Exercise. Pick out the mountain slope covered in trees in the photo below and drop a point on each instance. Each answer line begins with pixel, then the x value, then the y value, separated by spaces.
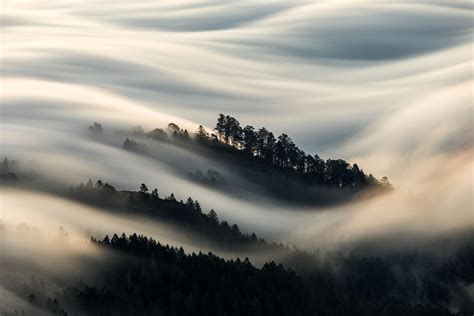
pixel 276 164
pixel 145 277
pixel 148 278
pixel 186 215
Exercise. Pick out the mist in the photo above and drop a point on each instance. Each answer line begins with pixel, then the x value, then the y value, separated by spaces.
pixel 386 115
pixel 385 85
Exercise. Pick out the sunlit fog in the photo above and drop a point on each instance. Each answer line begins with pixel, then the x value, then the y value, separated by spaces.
pixel 87 94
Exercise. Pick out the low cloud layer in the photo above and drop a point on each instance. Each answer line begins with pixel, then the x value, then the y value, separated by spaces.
pixel 385 85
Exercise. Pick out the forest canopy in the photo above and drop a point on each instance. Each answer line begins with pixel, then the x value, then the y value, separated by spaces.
pixel 263 147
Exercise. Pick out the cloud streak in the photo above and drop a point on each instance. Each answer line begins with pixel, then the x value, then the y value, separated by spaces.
pixel 387 86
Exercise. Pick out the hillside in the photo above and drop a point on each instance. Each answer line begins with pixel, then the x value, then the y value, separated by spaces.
pixel 276 166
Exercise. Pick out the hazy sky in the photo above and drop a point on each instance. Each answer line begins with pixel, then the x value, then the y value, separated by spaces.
pixel 385 84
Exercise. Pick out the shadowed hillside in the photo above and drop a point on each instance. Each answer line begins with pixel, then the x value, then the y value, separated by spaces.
pixel 275 164
pixel 145 277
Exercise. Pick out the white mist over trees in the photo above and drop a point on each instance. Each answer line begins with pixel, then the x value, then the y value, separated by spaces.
pixel 343 90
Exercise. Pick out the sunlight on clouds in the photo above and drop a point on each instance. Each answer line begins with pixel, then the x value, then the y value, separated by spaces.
pixel 388 86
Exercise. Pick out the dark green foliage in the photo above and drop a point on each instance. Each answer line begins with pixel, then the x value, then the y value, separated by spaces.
pixel 148 278
pixel 188 216
pixel 143 188
pixel 166 281
pixel 276 165
pixel 152 279
pixel 284 153
pixel 281 169
pixel 201 134
pixel 286 171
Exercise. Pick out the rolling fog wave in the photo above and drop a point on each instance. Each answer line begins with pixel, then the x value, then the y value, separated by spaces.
pixel 387 86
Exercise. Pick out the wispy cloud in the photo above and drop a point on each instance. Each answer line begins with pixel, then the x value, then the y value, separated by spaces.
pixel 387 85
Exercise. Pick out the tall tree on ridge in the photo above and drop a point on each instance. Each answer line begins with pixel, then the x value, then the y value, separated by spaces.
pixel 249 139
pixel 220 126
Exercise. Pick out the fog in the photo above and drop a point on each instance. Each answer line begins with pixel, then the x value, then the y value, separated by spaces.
pixel 79 221
pixel 388 87
pixel 421 210
pixel 45 244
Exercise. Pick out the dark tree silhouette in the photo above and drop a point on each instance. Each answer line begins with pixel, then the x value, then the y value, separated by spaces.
pixel 148 278
pixel 154 279
pixel 201 134
pixel 213 216
pixel 171 197
pixel 130 144
pixel 96 128
pixel 284 153
pixel 143 188
pixel 173 129
pixel 220 126
pixel 228 129
pixel 249 140
pixel 278 165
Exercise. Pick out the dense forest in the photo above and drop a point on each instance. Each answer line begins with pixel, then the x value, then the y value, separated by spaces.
pixel 155 279
pixel 145 277
pixel 236 158
pixel 148 278
pixel 290 173
pixel 275 165
pixel 186 215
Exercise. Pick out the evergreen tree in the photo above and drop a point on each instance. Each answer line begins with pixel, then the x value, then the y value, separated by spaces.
pixel 143 188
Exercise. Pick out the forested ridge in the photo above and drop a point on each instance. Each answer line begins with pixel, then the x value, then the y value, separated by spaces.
pixel 148 278
pixel 236 158
pixel 275 163
pixel 141 276
pixel 145 277
pixel 187 215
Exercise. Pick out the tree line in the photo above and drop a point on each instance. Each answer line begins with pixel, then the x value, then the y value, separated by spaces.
pixel 261 144
pixel 149 278
pixel 282 151
pixel 155 279
pixel 187 215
